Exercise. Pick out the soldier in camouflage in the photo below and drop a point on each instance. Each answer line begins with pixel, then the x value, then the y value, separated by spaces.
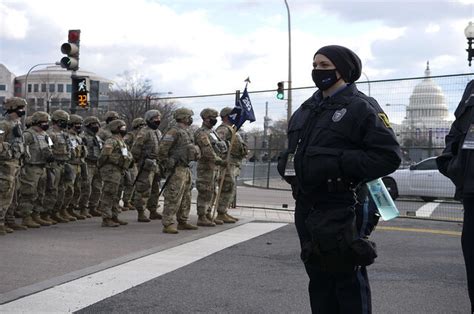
pixel 212 150
pixel 145 152
pixel 12 151
pixel 114 160
pixel 238 151
pixel 55 172
pixel 91 186
pixel 75 166
pixel 176 151
pixel 129 188
pixel 38 153
pixel 104 132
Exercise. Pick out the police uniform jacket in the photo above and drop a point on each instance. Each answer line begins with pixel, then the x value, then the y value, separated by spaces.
pixel 339 143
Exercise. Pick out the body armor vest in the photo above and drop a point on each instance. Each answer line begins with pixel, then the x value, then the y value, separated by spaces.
pixel 93 144
pixel 40 149
pixel 61 149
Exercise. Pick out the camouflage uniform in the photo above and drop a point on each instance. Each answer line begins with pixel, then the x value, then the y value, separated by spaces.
pixel 238 151
pixel 113 161
pixel 145 152
pixel 104 132
pixel 75 166
pixel 212 148
pixel 176 151
pixel 91 186
pixel 129 139
pixel 12 150
pixel 39 153
pixel 55 171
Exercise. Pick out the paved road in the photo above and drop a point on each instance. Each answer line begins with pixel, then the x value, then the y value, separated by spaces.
pixel 250 267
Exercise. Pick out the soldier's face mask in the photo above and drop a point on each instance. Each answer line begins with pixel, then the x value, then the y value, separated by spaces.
pixel 93 127
pixel 123 131
pixel 190 121
pixel 44 126
pixel 153 124
pixel 62 124
pixel 324 79
pixel 20 112
pixel 212 121
pixel 78 128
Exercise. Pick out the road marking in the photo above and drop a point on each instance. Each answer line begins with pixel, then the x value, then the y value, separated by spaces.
pixel 433 231
pixel 427 209
pixel 85 291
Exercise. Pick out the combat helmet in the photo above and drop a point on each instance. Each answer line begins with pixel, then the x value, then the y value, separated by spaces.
pixel 39 117
pixel 138 122
pixel 209 113
pixel 111 115
pixel 60 115
pixel 225 111
pixel 28 122
pixel 115 125
pixel 90 120
pixel 14 103
pixel 150 114
pixel 182 113
pixel 75 119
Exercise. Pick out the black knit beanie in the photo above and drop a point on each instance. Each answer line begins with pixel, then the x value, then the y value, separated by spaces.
pixel 346 61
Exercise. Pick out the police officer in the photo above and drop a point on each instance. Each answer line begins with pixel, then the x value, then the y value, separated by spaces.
pixel 91 187
pixel 145 152
pixel 114 159
pixel 238 151
pixel 39 152
pixel 12 151
pixel 176 151
pixel 129 187
pixel 212 149
pixel 55 172
pixel 338 139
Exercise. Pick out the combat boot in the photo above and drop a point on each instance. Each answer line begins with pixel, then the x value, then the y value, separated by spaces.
pixel 37 218
pixel 8 230
pixel 94 213
pixel 186 226
pixel 204 222
pixel 129 206
pixel 3 231
pixel 142 217
pixel 73 213
pixel 154 215
pixel 215 220
pixel 45 217
pixel 64 214
pixel 84 212
pixel 171 229
pixel 118 221
pixel 13 225
pixel 29 222
pixel 107 222
pixel 55 216
pixel 232 217
pixel 225 218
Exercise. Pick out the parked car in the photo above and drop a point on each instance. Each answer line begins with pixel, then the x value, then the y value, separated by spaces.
pixel 420 180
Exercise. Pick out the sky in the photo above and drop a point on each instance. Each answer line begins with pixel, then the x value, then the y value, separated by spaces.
pixel 195 47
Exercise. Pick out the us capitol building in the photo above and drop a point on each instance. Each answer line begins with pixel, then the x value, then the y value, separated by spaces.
pixel 426 122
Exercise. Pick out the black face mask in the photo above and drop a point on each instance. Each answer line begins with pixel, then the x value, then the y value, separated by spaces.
pixel 123 132
pixel 153 124
pixel 62 124
pixel 20 112
pixel 44 126
pixel 190 121
pixel 93 128
pixel 78 128
pixel 324 79
pixel 212 122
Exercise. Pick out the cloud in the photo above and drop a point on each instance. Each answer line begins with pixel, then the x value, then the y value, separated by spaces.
pixel 13 23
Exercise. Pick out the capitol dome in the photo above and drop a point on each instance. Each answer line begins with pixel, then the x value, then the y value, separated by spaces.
pixel 427 101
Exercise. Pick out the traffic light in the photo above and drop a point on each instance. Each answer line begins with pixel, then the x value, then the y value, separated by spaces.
pixel 71 49
pixel 281 90
pixel 80 92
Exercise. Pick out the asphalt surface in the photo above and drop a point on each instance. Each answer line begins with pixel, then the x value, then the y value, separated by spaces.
pixel 420 267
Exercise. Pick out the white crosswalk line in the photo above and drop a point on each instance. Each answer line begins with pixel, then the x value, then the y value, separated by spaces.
pixel 85 291
pixel 427 209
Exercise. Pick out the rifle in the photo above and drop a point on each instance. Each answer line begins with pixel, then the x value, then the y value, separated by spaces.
pixel 166 181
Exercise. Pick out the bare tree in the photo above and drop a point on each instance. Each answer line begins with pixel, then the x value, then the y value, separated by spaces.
pixel 133 95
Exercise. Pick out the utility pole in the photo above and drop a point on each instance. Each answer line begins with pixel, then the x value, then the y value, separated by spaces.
pixel 289 64
pixel 266 121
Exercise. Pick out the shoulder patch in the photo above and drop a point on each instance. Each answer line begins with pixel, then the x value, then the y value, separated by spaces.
pixel 384 119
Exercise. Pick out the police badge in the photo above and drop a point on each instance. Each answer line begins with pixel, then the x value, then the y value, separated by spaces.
pixel 337 116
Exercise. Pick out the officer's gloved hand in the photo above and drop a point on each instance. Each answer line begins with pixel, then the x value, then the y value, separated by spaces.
pixel 306 251
pixel 221 162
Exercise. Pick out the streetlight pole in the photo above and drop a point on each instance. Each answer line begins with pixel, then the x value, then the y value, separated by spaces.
pixel 289 64
pixel 27 74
